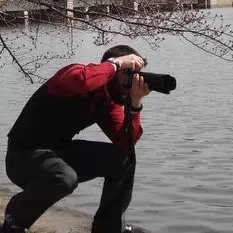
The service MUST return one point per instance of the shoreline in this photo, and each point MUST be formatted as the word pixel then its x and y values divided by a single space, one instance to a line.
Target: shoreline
pixel 54 220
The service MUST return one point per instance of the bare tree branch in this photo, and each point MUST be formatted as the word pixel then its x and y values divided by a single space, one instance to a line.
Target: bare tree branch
pixel 2 50
pixel 15 59
pixel 149 22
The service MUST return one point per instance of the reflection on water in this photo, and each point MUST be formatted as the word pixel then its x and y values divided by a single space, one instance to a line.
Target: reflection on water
pixel 185 158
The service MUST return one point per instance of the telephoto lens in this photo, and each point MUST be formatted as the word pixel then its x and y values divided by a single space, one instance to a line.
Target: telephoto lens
pixel 163 83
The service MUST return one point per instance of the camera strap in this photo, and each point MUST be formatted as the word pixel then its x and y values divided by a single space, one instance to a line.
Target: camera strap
pixel 131 148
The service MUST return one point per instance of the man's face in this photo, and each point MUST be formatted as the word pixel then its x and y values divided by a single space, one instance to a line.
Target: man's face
pixel 118 87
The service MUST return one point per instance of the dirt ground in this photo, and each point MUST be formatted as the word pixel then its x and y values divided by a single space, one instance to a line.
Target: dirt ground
pixel 55 220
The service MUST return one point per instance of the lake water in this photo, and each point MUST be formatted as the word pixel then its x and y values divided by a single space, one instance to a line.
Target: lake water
pixel 184 177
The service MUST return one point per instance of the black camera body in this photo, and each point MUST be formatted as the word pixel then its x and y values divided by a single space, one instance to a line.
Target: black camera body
pixel 163 83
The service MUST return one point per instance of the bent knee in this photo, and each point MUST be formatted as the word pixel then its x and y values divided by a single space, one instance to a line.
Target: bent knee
pixel 66 181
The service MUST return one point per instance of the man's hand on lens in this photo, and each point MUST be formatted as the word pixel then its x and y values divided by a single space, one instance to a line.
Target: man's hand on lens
pixel 138 90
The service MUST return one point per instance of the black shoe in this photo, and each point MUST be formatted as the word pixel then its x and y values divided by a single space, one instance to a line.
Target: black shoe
pixel 6 229
pixel 134 229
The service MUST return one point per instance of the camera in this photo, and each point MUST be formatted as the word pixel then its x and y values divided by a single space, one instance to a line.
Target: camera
pixel 163 83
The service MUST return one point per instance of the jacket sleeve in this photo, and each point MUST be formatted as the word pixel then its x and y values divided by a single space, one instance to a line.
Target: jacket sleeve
pixel 78 79
pixel 113 124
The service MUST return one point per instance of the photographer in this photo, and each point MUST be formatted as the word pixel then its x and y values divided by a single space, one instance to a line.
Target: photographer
pixel 48 164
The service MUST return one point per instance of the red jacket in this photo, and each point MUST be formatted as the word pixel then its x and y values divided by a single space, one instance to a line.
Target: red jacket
pixel 73 99
pixel 79 79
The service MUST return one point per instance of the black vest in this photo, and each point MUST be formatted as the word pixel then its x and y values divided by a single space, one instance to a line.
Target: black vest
pixel 52 121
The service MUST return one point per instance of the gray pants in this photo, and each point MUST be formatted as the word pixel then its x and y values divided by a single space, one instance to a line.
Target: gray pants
pixel 46 176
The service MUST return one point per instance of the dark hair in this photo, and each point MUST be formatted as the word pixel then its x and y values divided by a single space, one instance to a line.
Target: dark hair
pixel 120 50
